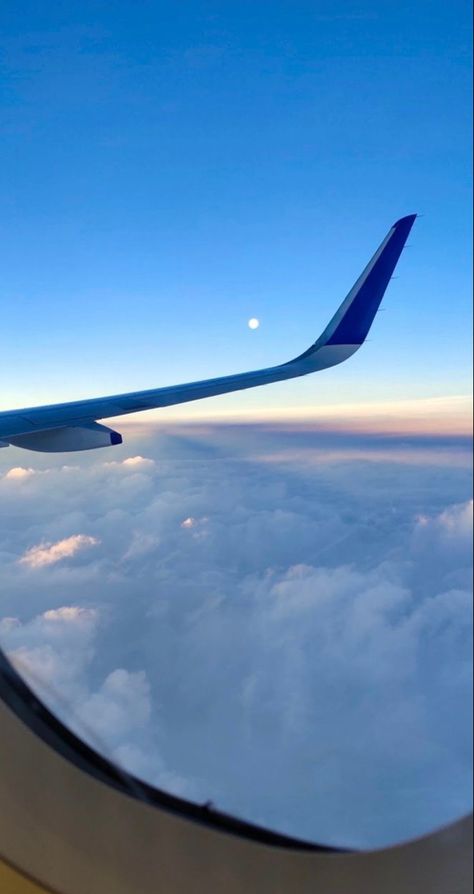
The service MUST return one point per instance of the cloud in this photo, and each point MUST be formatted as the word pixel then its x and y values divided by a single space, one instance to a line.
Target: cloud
pixel 50 553
pixel 52 649
pixel 141 544
pixel 69 614
pixel 121 705
pixel 18 473
pixel 191 523
pixel 132 462
pixel 138 461
pixel 287 638
pixel 451 528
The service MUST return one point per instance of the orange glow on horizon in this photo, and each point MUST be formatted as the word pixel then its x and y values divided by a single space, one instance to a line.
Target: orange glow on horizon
pixel 445 416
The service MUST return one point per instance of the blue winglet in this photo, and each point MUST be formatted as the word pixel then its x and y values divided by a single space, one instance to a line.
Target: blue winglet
pixel 357 320
pixel 352 321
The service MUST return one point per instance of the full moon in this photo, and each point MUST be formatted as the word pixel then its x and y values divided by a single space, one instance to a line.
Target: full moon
pixel 253 323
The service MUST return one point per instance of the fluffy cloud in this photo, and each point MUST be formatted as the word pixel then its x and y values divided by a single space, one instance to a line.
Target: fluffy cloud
pixel 120 705
pixel 52 649
pixel 69 614
pixel 289 639
pixel 50 553
pixel 451 529
pixel 133 462
pixel 18 473
pixel 138 461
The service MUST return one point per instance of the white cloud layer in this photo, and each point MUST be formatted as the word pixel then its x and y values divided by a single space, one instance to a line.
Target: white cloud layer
pixel 289 639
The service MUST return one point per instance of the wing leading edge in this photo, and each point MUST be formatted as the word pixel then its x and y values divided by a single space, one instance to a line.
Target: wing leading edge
pixel 74 426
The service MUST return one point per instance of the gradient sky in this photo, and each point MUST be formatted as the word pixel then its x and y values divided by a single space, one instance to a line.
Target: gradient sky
pixel 169 170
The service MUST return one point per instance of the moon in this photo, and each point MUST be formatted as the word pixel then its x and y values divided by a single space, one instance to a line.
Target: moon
pixel 253 323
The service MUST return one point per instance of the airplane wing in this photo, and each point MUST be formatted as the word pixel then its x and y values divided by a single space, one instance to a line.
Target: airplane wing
pixel 74 426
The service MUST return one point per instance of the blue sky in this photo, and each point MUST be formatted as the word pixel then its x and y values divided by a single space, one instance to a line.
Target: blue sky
pixel 169 170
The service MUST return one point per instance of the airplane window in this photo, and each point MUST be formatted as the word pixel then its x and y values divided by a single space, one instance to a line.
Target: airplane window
pixel 274 618
pixel 235 426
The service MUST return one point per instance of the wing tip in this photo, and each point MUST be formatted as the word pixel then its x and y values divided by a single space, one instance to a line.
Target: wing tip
pixel 407 220
pixel 353 319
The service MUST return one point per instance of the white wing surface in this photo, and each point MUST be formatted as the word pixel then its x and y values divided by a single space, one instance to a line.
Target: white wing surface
pixel 74 426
